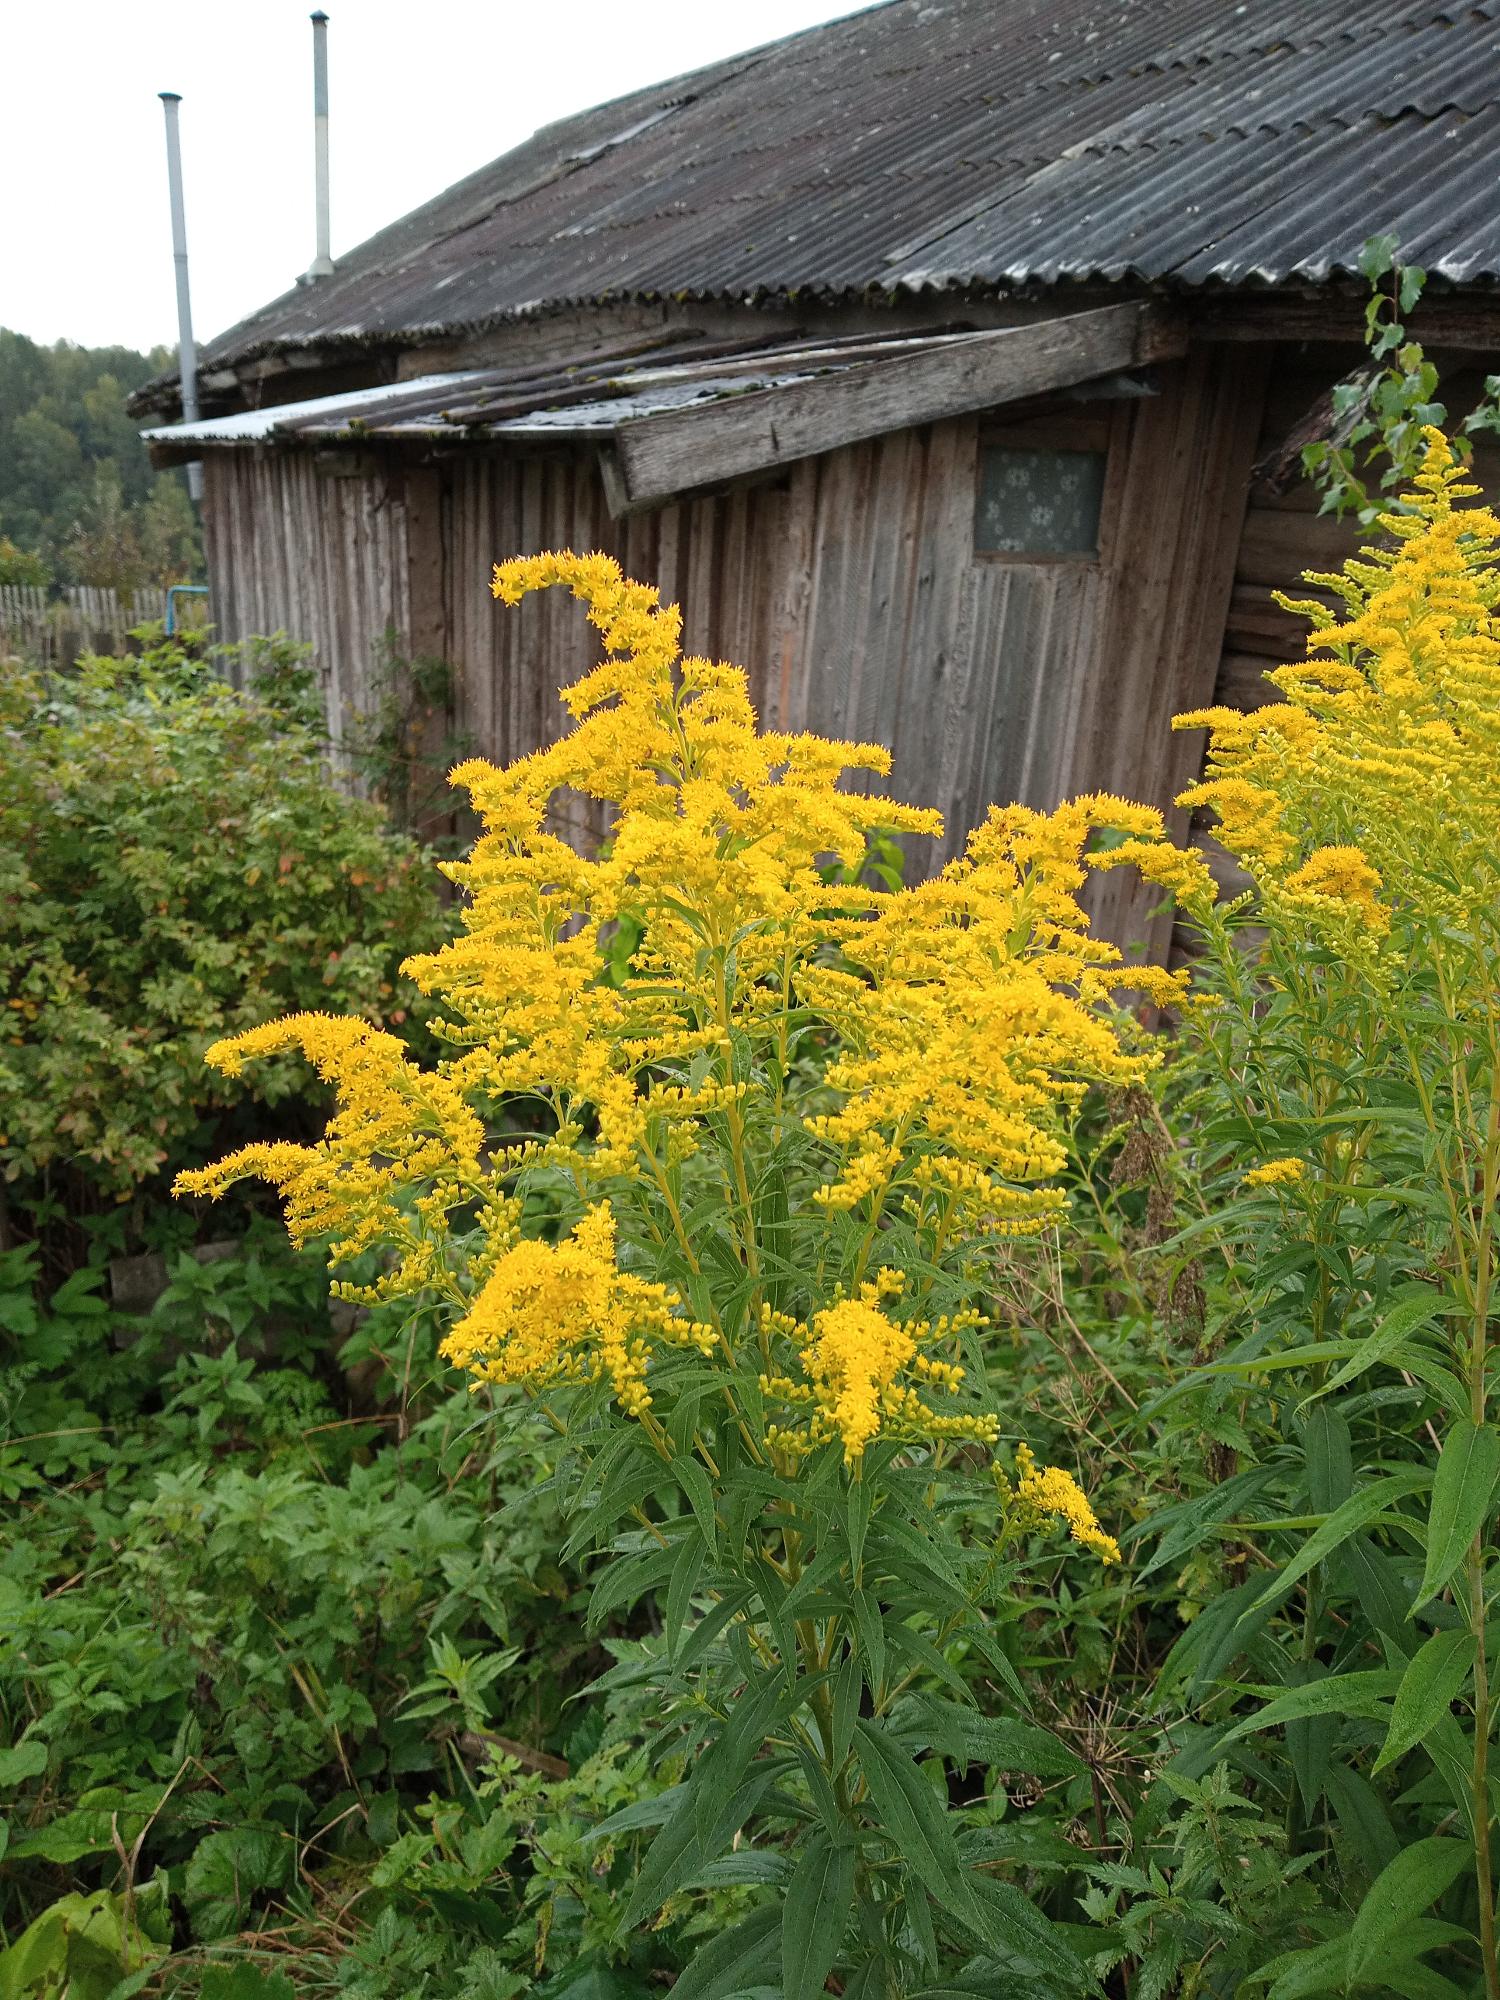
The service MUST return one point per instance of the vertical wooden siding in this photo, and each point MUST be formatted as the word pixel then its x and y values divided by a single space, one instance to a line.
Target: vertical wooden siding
pixel 851 592
pixel 323 559
pixel 849 588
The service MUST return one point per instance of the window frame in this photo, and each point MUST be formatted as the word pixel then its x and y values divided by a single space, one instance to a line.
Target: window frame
pixel 1099 431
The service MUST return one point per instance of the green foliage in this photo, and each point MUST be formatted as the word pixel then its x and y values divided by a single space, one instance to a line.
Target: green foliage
pixel 77 492
pixel 308 1686
pixel 1379 413
pixel 177 863
pixel 22 566
pixel 81 1947
pixel 214 1611
pixel 400 745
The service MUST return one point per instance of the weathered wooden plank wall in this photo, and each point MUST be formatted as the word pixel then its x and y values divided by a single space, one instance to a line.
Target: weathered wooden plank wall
pixel 851 591
pixel 323 559
pixel 849 587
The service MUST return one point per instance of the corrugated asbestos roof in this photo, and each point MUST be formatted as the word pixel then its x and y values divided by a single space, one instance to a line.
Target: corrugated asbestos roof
pixel 971 144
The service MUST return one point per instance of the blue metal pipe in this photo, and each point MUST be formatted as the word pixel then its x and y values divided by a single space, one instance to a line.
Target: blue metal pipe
pixel 176 590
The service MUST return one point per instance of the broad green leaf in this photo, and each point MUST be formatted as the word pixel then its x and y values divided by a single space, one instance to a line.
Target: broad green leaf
pixel 1406 1889
pixel 708 1628
pixel 245 1982
pixel 1341 1694
pixel 693 1480
pixel 1329 1459
pixel 871 1639
pixel 858 1503
pixel 1011 1923
pixel 1310 1738
pixel 684 1581
pixel 917 1909
pixel 26 1760
pixel 683 1848
pixel 1298 1975
pixel 1430 1683
pixel 1363 1821
pixel 848 1687
pixel 644 1812
pixel 746 1865
pixel 718 1773
pixel 1221 1630
pixel 818 1901
pixel 1451 1749
pixel 1183 1527
pixel 1461 1492
pixel 916 1650
pixel 622 1582
pixel 988 1642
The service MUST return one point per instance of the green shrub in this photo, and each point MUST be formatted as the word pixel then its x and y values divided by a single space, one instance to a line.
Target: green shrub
pixel 238 1624
pixel 175 861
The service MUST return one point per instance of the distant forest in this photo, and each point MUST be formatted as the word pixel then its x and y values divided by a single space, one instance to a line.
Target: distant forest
pixel 79 502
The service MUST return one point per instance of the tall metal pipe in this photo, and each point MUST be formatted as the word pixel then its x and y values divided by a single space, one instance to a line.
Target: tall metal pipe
pixel 187 352
pixel 322 263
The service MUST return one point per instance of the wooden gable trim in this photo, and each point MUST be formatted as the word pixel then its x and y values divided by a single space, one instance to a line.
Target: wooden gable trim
pixel 653 459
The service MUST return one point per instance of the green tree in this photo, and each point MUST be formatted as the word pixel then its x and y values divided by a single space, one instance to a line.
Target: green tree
pixel 76 482
pixel 22 566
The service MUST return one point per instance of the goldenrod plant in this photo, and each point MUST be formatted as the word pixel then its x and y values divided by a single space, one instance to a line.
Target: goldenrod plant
pixel 732 1208
pixel 1350 1014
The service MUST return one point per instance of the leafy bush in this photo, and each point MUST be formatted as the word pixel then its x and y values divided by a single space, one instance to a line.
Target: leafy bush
pixel 175 861
pixel 1349 1137
pixel 245 1630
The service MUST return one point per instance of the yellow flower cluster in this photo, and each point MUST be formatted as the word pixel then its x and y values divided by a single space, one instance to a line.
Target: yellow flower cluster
pixel 395 1127
pixel 1378 765
pixel 1043 1493
pixel 565 1310
pixel 969 1016
pixel 919 1050
pixel 1275 1173
pixel 858 1368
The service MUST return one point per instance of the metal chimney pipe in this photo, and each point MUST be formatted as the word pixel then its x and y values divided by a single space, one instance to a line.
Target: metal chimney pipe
pixel 322 264
pixel 187 352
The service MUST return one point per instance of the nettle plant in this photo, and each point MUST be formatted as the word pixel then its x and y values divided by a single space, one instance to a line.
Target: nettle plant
pixel 1353 1036
pixel 732 1207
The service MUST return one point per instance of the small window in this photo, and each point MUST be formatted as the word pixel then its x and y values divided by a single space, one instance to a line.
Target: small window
pixel 1038 503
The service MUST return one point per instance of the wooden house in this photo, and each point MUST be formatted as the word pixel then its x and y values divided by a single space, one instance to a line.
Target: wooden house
pixel 946 364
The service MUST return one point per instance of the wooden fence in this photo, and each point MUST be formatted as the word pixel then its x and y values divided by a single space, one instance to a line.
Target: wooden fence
pixel 54 627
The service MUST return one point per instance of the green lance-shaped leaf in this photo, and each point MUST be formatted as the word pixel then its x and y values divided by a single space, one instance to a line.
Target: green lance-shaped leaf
pixel 912 1816
pixel 818 1901
pixel 1461 1494
pixel 1010 1922
pixel 1431 1681
pixel 1357 1512
pixel 1414 1306
pixel 736 1962
pixel 1341 1694
pixel 693 1480
pixel 965 1734
pixel 1404 1890
pixel 685 1845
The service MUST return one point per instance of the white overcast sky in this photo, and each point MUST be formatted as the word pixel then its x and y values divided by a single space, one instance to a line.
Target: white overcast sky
pixel 421 92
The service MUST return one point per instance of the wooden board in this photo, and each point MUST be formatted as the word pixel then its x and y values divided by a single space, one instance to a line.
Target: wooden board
pixel 654 458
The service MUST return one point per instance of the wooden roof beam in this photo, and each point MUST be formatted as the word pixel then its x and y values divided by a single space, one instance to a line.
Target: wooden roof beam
pixel 652 459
